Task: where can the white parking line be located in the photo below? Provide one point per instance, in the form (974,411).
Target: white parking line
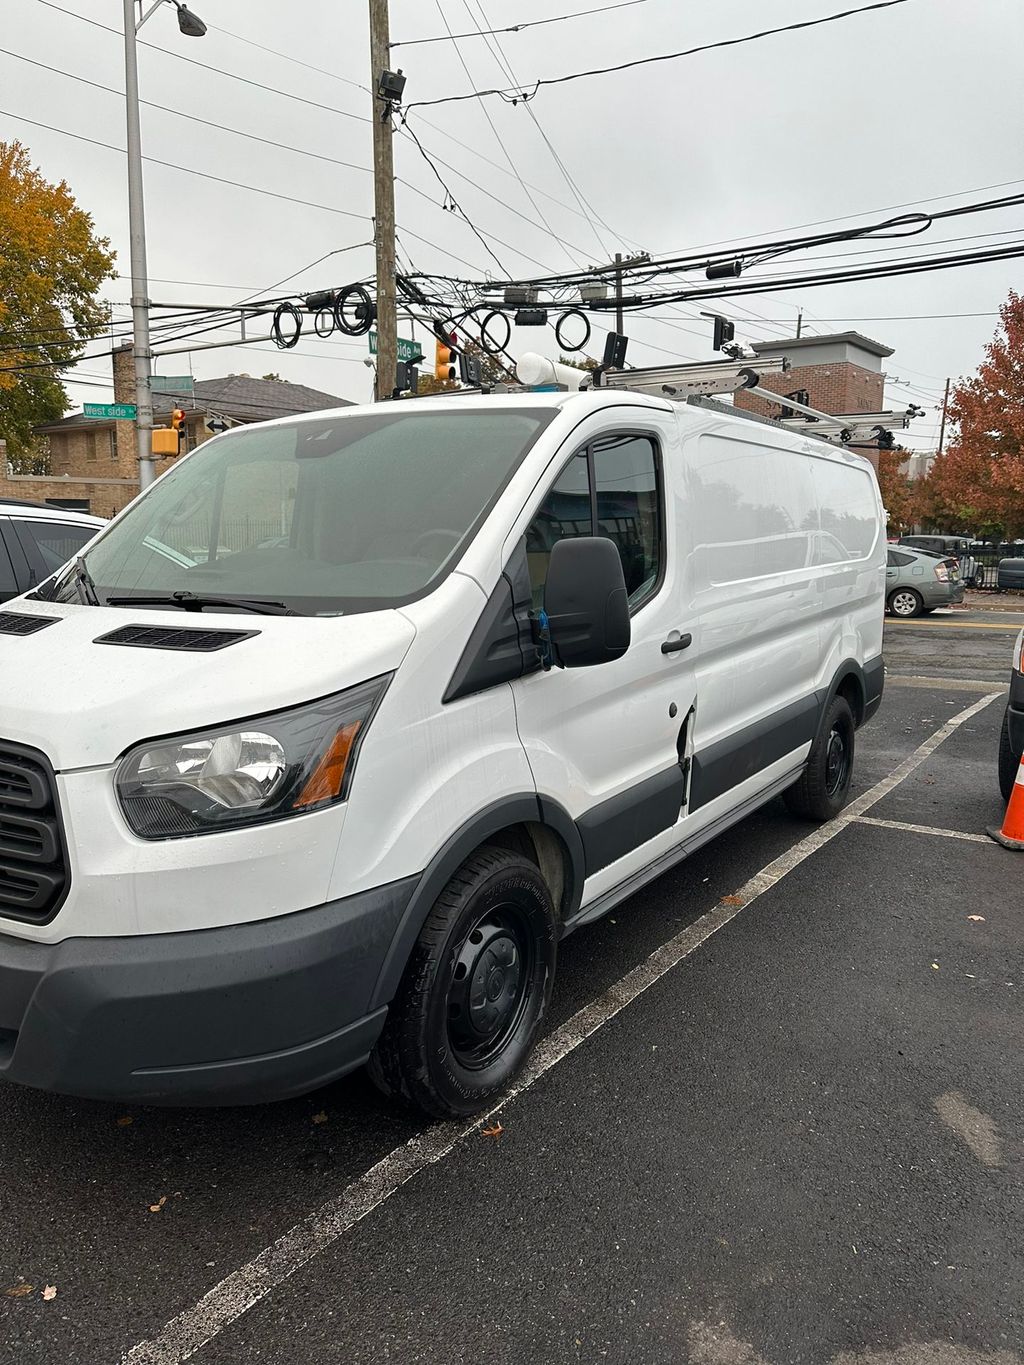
(245,1287)
(927,829)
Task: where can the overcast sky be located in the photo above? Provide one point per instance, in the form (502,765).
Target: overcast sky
(920,102)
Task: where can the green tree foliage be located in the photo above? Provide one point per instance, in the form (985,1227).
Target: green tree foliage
(52,265)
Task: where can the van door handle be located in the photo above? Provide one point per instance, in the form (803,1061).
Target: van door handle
(674,646)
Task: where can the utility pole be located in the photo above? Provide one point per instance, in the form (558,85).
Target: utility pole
(140,275)
(799,323)
(618,292)
(942,427)
(384,203)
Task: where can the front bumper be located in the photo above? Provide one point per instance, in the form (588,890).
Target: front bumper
(235,1015)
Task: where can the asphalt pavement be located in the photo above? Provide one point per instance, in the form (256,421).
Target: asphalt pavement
(777,1119)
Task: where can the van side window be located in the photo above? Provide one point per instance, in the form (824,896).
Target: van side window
(628,509)
(612,486)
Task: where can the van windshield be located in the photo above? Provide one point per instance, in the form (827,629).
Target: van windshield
(340,514)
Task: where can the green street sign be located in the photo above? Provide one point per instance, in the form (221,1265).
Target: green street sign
(121,412)
(407,350)
(172,383)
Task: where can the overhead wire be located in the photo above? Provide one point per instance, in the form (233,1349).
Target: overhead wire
(497,136)
(518,28)
(516,95)
(497,51)
(190,170)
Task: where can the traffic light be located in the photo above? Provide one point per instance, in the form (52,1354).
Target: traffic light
(445,359)
(178,426)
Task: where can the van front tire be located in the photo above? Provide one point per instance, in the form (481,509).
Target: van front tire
(824,786)
(475,992)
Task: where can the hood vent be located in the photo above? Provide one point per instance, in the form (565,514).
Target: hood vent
(174,637)
(14,623)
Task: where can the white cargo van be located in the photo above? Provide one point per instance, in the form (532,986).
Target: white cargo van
(328,739)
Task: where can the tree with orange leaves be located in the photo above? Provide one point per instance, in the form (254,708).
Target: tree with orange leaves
(977,485)
(899,494)
(52,265)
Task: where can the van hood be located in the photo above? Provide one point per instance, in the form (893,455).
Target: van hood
(83,703)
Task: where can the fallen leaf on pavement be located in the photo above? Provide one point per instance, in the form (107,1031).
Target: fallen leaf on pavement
(124,1120)
(49,1292)
(935,966)
(731,900)
(494,1132)
(320,1118)
(155,1208)
(18,1291)
(978,919)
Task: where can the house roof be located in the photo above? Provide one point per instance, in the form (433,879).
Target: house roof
(851,338)
(234,395)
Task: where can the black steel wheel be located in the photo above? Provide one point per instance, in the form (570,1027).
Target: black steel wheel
(474,994)
(824,786)
(1009,759)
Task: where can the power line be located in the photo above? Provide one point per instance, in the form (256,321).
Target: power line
(444,132)
(189,170)
(518,28)
(504,65)
(270,142)
(217,70)
(514,95)
(497,136)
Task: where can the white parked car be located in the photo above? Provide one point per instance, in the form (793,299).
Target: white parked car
(36,539)
(450,679)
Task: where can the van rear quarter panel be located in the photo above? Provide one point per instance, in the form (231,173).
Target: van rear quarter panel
(751,503)
(787,565)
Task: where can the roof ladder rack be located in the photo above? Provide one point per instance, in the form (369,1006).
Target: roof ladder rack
(683,381)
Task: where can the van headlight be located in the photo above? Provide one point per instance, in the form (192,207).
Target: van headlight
(263,768)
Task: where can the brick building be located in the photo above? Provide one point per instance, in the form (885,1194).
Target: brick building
(841,373)
(93,463)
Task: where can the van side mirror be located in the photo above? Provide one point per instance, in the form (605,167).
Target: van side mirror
(585,602)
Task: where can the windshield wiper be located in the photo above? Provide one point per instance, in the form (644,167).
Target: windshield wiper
(191,601)
(84,583)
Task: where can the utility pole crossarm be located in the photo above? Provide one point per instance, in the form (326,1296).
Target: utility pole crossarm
(384,203)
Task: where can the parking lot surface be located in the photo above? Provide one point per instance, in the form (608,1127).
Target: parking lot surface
(777,1119)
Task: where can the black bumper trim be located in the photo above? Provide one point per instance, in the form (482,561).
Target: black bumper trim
(235,1015)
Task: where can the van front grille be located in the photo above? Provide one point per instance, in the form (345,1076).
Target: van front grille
(33,867)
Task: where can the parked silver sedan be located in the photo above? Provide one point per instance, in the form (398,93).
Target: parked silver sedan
(918,581)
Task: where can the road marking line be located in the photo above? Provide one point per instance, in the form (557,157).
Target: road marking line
(926,829)
(950,684)
(957,625)
(243,1288)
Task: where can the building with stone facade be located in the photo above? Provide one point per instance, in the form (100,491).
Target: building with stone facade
(93,463)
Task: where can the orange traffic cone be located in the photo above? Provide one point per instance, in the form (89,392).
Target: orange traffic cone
(1012,833)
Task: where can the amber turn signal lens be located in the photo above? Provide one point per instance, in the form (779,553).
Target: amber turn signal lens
(325,781)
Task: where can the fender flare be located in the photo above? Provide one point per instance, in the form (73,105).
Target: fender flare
(522,808)
(848,668)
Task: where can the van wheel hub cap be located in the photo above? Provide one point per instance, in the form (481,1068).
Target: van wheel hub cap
(836,764)
(488,989)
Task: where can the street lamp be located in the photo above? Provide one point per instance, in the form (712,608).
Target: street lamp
(192,27)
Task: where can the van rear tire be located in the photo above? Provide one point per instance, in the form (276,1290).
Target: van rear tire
(1009,760)
(475,992)
(824,786)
